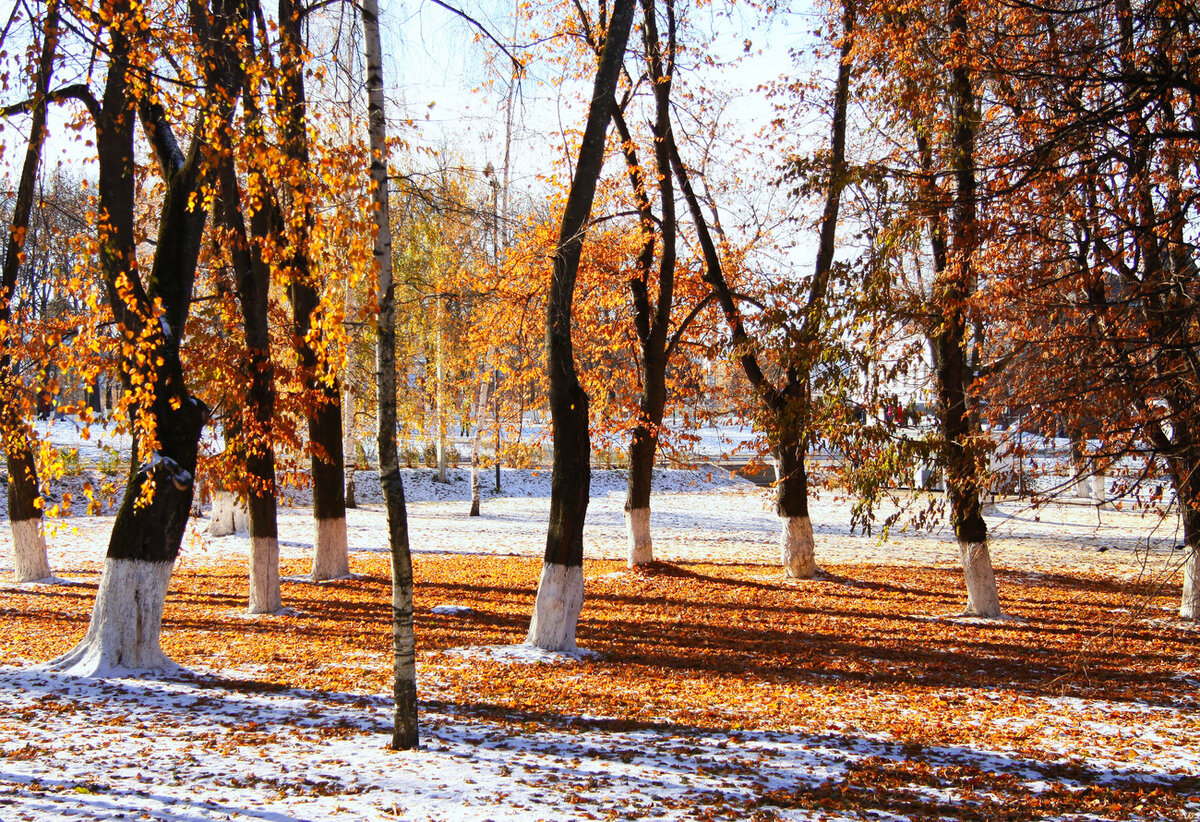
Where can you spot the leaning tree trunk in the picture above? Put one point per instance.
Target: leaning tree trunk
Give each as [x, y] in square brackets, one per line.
[560, 590]
[404, 682]
[30, 560]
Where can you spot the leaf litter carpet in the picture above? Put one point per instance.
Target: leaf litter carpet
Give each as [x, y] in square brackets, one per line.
[715, 688]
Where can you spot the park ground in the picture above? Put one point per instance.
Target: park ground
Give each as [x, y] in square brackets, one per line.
[713, 687]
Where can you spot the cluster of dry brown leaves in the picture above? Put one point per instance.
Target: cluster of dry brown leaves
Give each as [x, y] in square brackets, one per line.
[725, 648]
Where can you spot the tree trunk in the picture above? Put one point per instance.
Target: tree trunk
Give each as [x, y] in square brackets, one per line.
[480, 414]
[30, 560]
[651, 322]
[954, 284]
[149, 527]
[256, 428]
[796, 540]
[440, 394]
[330, 553]
[404, 684]
[560, 590]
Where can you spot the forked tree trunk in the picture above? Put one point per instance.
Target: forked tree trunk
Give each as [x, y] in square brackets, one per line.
[229, 514]
[30, 560]
[149, 526]
[651, 321]
[560, 589]
[404, 682]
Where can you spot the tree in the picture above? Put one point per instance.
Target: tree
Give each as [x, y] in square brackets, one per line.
[330, 549]
[405, 730]
[789, 410]
[560, 590]
[1102, 109]
[24, 501]
[151, 310]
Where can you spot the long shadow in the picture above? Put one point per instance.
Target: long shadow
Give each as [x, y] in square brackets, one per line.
[717, 764]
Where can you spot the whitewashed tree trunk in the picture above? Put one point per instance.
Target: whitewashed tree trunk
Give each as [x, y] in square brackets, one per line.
[1099, 492]
[30, 560]
[265, 594]
[637, 528]
[126, 622]
[982, 597]
[229, 515]
[1189, 607]
[441, 398]
[480, 411]
[797, 547]
[331, 554]
[556, 610]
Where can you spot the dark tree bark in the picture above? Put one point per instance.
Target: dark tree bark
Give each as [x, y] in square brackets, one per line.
[953, 375]
[30, 560]
[560, 590]
[330, 551]
[788, 408]
[253, 277]
[149, 526]
[651, 320]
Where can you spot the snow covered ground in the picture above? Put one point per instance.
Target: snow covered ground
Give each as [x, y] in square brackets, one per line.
[203, 747]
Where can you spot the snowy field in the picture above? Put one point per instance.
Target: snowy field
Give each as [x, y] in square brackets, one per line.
[208, 744]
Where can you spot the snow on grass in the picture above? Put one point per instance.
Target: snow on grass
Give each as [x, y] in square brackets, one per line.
[213, 748]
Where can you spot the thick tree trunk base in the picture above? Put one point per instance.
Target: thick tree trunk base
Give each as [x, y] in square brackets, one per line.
[126, 622]
[30, 561]
[475, 490]
[229, 515]
[265, 594]
[1189, 607]
[331, 556]
[637, 526]
[982, 597]
[797, 548]
[556, 610]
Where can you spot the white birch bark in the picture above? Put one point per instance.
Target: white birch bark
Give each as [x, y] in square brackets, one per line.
[797, 547]
[480, 410]
[30, 560]
[637, 528]
[982, 597]
[441, 398]
[123, 635]
[229, 515]
[265, 594]
[331, 553]
[556, 610]
[1189, 607]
